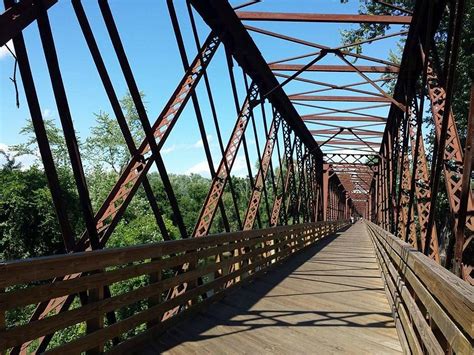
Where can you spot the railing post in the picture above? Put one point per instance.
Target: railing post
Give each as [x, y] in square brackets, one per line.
[95, 324]
[155, 277]
[2, 320]
[325, 191]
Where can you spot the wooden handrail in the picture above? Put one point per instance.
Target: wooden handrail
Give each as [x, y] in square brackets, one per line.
[43, 268]
[27, 282]
[445, 320]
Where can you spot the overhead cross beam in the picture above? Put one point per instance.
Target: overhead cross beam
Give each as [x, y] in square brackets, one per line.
[325, 18]
[339, 98]
[351, 142]
[334, 131]
[337, 68]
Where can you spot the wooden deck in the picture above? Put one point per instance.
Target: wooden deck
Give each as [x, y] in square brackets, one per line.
[327, 299]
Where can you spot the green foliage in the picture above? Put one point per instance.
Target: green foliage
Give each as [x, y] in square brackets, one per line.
[370, 30]
[105, 147]
[56, 142]
[28, 224]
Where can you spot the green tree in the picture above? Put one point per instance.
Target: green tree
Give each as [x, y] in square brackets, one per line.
[56, 142]
[28, 223]
[105, 147]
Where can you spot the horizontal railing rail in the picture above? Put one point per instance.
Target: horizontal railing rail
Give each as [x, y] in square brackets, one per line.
[433, 308]
[139, 278]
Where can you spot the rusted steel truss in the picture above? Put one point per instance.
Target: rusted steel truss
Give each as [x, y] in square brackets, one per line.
[403, 166]
[345, 166]
[255, 198]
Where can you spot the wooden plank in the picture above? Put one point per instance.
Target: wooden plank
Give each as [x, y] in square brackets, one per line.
[43, 268]
[450, 330]
[118, 328]
[71, 286]
[426, 334]
[53, 323]
[455, 295]
[398, 323]
[400, 307]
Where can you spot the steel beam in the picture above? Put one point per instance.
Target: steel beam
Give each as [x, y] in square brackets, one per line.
[336, 68]
[453, 160]
[350, 142]
[339, 98]
[421, 183]
[325, 18]
[342, 118]
[254, 202]
[217, 188]
[109, 214]
[334, 131]
[18, 16]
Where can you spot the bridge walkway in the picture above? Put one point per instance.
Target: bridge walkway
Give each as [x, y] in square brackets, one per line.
[327, 299]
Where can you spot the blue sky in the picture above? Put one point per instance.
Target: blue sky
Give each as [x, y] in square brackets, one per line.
[149, 41]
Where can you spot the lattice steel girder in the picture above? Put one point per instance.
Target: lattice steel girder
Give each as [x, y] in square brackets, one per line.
[453, 161]
[422, 182]
[277, 213]
[336, 68]
[403, 215]
[325, 191]
[292, 201]
[218, 183]
[465, 188]
[352, 166]
[302, 183]
[308, 17]
[351, 158]
[411, 67]
[311, 188]
[254, 202]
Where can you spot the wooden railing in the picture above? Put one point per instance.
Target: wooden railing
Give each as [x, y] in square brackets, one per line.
[139, 279]
[433, 308]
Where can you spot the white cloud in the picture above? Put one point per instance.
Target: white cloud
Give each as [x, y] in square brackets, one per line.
[4, 51]
[200, 144]
[240, 167]
[168, 150]
[26, 161]
[47, 113]
[201, 168]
